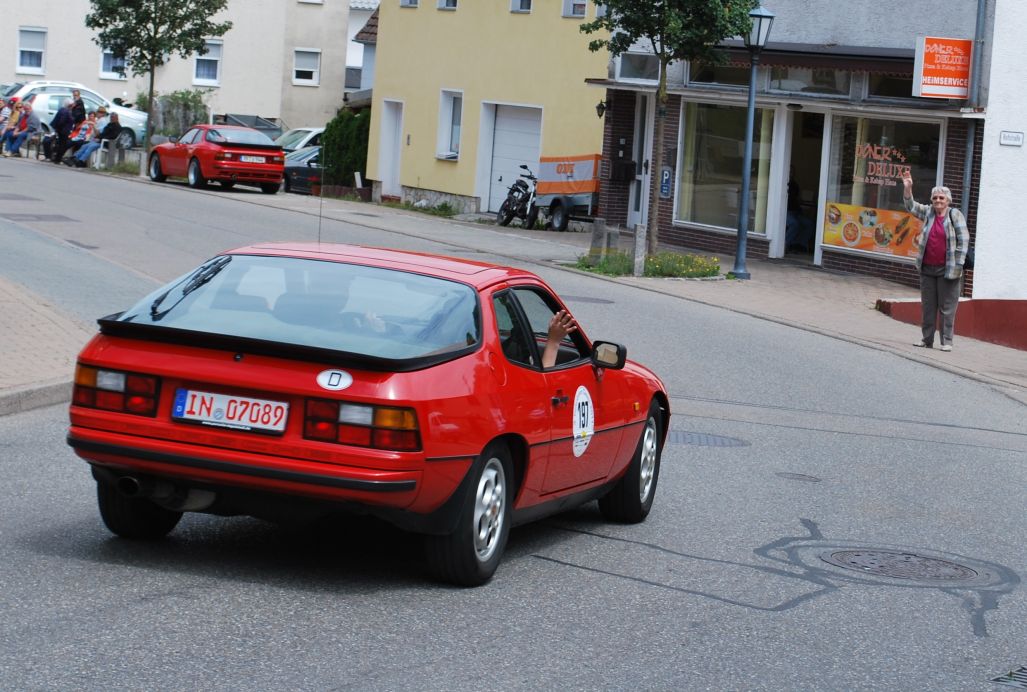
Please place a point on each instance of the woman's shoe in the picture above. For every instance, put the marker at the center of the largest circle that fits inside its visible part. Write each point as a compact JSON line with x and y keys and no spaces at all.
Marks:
{"x":924,"y":344}
{"x":946,"y":347}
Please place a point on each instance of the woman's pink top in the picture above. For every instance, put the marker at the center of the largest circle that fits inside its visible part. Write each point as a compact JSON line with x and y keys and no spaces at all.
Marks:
{"x":934,"y":254}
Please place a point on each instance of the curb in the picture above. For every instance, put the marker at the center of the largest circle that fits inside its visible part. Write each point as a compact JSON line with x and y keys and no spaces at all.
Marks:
{"x":26,"y":398}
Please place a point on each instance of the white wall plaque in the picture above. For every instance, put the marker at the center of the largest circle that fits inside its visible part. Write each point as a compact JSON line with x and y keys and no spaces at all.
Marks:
{"x":1010,"y":139}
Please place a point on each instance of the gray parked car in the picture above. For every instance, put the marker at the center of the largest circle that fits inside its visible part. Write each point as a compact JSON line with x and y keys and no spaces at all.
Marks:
{"x":47,"y":96}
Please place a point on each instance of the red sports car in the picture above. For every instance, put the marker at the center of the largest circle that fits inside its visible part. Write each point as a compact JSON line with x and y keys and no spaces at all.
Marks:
{"x":228,"y":154}
{"x":294,"y":380}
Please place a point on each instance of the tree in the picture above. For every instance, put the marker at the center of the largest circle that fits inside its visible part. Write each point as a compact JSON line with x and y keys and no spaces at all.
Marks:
{"x":146,"y":33}
{"x":344,"y":146}
{"x":676,"y":30}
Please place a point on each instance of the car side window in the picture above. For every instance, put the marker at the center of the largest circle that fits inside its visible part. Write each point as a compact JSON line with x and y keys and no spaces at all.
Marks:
{"x":314,"y":141}
{"x":189,"y":136}
{"x":513,"y":338}
{"x":539,"y":307}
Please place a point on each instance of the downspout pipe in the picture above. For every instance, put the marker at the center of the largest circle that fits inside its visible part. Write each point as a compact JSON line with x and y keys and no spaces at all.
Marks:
{"x":974,"y":103}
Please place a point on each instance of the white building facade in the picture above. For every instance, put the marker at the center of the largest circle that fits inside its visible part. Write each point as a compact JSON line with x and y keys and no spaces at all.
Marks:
{"x":284,"y":60}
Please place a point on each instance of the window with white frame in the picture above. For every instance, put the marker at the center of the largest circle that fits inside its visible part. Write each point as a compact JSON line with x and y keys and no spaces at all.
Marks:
{"x":641,"y":66}
{"x":574,"y":8}
{"x":408,"y":3}
{"x":207,"y":71}
{"x":520,"y":5}
{"x":112,"y":66}
{"x":31,"y":50}
{"x":451,"y":109}
{"x":447,"y":4}
{"x":306,"y":66}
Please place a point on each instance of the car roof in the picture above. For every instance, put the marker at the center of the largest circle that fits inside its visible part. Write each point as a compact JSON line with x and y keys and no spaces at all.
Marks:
{"x":477,"y":274}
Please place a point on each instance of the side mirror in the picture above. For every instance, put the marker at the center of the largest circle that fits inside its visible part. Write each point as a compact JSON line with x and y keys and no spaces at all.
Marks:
{"x":606,"y":354}
{"x":119,"y":102}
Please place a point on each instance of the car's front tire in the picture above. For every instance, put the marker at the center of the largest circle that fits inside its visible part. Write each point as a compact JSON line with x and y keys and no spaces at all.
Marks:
{"x":630,"y":500}
{"x":470,"y":555}
{"x":195,"y":175}
{"x":133,"y":517}
{"x":126,"y":139}
{"x":156,"y":173}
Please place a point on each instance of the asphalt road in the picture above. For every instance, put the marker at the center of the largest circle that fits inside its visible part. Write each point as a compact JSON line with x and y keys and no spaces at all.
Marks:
{"x":788,"y":449}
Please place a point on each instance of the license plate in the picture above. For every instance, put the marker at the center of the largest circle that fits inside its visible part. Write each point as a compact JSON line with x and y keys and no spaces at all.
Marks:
{"x":252,"y":159}
{"x":227,"y":411}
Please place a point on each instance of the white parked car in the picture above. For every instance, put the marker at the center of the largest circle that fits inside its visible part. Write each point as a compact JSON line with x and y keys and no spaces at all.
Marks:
{"x":47,"y":96}
{"x":300,"y":137}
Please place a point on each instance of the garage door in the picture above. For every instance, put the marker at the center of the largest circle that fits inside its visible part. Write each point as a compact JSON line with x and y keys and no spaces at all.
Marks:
{"x":517,"y":140}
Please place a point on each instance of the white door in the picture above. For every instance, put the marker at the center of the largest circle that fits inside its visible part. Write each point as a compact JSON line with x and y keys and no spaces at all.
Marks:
{"x":517,"y":140}
{"x":641,"y":150}
{"x":391,"y":147}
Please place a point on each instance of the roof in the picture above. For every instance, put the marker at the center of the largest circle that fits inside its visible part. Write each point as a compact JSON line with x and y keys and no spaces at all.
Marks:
{"x":478,"y":274}
{"x":369,"y":34}
{"x":363,"y":4}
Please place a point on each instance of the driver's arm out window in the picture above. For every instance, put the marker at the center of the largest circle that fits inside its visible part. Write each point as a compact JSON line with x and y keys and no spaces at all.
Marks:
{"x":540,"y":310}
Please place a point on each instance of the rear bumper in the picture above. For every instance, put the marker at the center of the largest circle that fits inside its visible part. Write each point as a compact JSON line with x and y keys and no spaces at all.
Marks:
{"x":391,"y":495}
{"x":245,"y":174}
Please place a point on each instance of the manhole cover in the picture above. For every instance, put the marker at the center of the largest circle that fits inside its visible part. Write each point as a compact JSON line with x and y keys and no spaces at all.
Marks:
{"x":1016,"y":678}
{"x":797,"y":477}
{"x":887,"y":563}
{"x":586,"y":299}
{"x":677,"y":437}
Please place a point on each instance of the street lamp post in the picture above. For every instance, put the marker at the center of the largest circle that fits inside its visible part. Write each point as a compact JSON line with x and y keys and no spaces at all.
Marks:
{"x":755,"y":41}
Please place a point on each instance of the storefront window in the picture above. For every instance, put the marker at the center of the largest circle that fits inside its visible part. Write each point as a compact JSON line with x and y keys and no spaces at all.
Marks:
{"x":810,"y":81}
{"x":712,"y":146}
{"x":864,"y":192}
{"x":889,"y":86}
{"x":724,"y":75}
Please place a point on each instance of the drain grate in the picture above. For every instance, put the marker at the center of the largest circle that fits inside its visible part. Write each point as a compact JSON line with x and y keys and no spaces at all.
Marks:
{"x":678,"y":437}
{"x":889,"y":563}
{"x":1016,"y":678}
{"x":35,"y":217}
{"x":797,"y":477}
{"x":586,"y":299}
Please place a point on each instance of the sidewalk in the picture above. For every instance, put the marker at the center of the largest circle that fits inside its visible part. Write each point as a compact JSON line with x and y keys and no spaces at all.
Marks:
{"x":41,"y":344}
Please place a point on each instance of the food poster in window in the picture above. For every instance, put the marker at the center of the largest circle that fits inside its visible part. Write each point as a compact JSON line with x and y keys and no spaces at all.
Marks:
{"x":884,"y":231}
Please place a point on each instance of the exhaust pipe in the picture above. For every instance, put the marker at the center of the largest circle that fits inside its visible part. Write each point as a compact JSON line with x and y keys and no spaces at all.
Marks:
{"x":165,"y":494}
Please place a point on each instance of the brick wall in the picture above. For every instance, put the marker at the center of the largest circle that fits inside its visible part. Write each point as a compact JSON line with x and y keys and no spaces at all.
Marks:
{"x":619,"y":124}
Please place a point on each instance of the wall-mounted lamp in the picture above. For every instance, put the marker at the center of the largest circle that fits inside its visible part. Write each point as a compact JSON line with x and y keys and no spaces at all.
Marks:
{"x":603,"y":107}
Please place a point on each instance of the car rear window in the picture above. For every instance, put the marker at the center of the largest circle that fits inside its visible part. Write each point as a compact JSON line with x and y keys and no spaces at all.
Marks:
{"x":367,"y":311}
{"x":238,"y":137}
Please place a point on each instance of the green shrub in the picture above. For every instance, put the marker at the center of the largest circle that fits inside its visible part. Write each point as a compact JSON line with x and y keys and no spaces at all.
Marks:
{"x":344,"y":147}
{"x":662,"y":264}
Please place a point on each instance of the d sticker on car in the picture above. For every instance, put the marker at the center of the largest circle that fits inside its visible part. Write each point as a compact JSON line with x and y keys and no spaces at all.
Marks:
{"x":584,"y":420}
{"x":334,"y":380}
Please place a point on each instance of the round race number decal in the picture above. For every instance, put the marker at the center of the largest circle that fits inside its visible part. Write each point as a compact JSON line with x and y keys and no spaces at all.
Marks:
{"x":334,"y":380}
{"x":584,"y":420}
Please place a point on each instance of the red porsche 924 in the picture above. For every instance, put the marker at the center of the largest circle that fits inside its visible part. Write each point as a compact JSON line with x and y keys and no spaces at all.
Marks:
{"x":310,"y":379}
{"x":227,"y":154}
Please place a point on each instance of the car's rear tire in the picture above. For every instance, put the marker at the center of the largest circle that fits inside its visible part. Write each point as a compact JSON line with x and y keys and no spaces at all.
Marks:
{"x":226,"y":184}
{"x":631,"y":498}
{"x":133,"y":517}
{"x":156,"y":173}
{"x":269,"y":188}
{"x":195,"y":175}
{"x":470,"y":555}
{"x":506,"y":213}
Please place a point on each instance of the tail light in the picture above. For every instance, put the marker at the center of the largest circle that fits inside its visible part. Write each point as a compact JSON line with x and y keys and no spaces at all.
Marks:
{"x":223,"y":156}
{"x":361,"y":425}
{"x":114,"y":390}
{"x":277,"y":159}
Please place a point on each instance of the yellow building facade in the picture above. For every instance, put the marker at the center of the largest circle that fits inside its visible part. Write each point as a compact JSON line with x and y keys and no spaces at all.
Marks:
{"x":467,"y":90}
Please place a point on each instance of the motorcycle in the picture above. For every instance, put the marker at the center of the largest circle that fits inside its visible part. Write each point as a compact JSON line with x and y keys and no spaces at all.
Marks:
{"x":520,"y":201}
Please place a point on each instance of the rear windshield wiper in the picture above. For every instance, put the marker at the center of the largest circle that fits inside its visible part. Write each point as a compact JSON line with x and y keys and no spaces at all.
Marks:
{"x":197,"y":279}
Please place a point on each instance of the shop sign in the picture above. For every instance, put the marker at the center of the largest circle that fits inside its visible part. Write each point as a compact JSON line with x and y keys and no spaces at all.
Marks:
{"x":877,"y":164}
{"x":942,"y":67}
{"x":882,"y":231}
